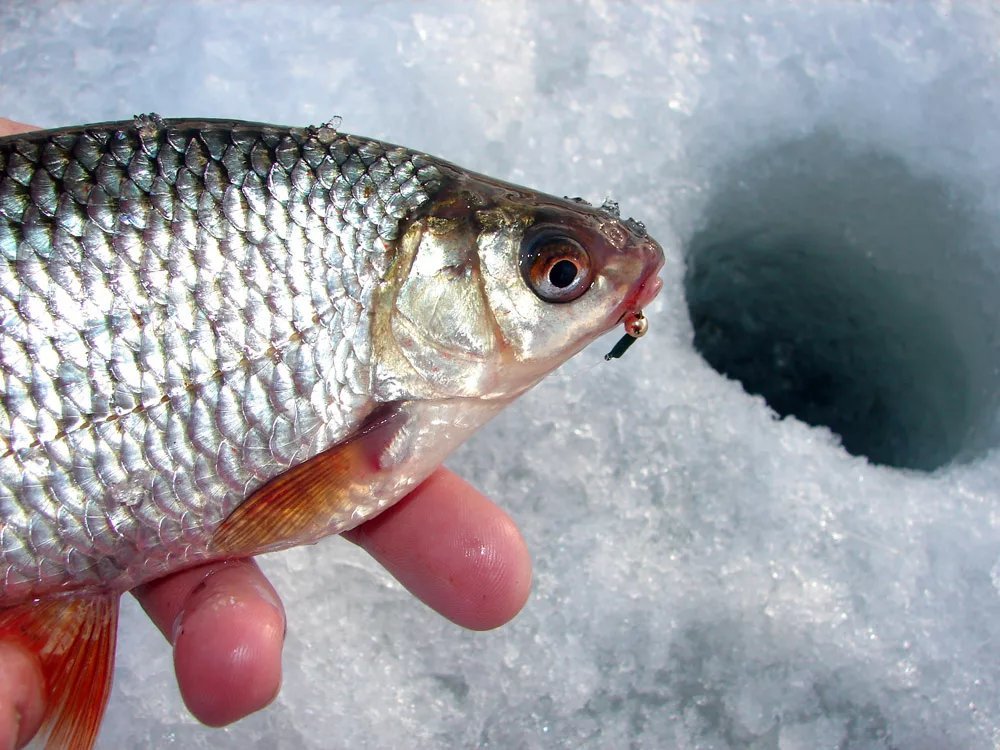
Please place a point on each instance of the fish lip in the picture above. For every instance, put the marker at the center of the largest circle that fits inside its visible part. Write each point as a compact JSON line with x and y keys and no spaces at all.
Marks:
{"x":644,"y":293}
{"x":651,"y":284}
{"x":648,"y":290}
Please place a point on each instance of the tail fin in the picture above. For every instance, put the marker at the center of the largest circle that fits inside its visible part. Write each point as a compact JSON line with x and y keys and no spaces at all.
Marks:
{"x":74,"y":639}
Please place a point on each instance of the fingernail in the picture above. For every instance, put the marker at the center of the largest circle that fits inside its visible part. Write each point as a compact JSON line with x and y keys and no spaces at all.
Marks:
{"x":177,"y":628}
{"x":267,"y":594}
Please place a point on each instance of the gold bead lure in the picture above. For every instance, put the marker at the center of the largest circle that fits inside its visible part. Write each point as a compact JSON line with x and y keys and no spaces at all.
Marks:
{"x":636,"y":326}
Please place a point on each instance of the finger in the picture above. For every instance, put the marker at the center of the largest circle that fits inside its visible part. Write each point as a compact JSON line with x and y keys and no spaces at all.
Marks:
{"x":227,"y":627}
{"x":10,"y":127}
{"x":22,"y":695}
{"x":454,"y":549}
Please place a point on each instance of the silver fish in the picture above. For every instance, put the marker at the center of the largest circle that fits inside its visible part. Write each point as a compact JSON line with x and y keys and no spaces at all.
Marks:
{"x":221,"y":338}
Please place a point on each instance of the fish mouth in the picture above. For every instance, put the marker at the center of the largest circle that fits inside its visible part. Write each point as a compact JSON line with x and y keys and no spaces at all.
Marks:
{"x":644,"y":293}
{"x":647,"y":290}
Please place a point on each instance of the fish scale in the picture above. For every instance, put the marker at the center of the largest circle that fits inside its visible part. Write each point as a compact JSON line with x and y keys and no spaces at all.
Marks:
{"x":182,"y":308}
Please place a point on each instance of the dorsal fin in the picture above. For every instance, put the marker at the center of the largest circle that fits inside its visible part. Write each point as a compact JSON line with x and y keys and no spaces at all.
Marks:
{"x":73,"y":638}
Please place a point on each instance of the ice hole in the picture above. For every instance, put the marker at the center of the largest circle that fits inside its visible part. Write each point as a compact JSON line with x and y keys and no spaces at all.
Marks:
{"x":851,"y":292}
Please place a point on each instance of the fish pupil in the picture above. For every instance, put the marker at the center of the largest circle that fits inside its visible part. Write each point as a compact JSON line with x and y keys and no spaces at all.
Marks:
{"x":562,"y":273}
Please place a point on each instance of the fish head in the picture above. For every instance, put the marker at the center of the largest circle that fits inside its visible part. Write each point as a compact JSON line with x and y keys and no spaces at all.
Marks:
{"x":493,"y":286}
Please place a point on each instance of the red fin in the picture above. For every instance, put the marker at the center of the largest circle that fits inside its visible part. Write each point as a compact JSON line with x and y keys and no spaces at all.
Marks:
{"x":298,"y":507}
{"x":74,"y":640}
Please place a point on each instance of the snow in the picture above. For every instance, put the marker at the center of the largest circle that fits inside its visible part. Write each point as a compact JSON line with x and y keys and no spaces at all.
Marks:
{"x":825,"y":178}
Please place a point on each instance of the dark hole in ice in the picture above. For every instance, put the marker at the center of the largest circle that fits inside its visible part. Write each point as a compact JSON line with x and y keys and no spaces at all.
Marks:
{"x":850,"y":292}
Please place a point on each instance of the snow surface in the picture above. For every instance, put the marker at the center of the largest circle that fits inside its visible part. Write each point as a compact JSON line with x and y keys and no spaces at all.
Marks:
{"x":825,"y":178}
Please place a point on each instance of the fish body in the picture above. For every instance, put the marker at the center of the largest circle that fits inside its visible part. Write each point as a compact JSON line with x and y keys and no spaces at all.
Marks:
{"x":221,"y":338}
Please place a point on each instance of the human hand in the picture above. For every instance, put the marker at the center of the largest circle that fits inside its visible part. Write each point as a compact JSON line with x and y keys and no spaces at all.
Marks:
{"x":445,"y":542}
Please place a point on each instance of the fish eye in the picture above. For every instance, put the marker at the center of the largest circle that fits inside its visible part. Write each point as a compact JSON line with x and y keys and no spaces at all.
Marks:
{"x":556,"y":268}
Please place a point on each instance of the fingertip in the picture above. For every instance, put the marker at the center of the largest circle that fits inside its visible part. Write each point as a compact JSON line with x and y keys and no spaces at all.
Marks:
{"x":227,"y":645}
{"x":498,"y":570}
{"x":455,"y":550}
{"x":22,"y":695}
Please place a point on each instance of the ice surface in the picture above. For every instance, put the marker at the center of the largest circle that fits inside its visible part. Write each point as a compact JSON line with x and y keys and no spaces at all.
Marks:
{"x":825,"y":177}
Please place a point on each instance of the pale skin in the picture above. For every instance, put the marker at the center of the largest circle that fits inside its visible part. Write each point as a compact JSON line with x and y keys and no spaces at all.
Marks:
{"x":448,"y":544}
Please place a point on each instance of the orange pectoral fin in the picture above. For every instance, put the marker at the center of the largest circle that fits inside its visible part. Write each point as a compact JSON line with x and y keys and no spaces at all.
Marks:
{"x":304,"y":503}
{"x":74,"y":640}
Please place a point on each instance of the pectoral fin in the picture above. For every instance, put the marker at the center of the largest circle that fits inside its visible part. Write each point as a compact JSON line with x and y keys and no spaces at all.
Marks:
{"x":74,"y":641}
{"x":309,"y":500}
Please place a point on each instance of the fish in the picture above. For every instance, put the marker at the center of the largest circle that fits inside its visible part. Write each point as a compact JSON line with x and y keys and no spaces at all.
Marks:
{"x":221,"y":338}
